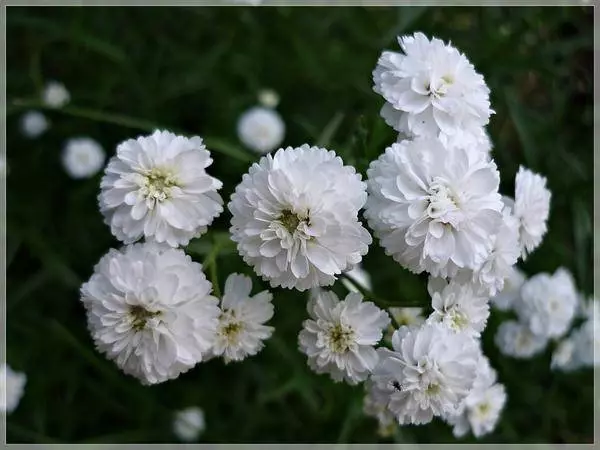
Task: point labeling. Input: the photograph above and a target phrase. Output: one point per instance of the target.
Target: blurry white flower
(339, 336)
(375, 406)
(434, 208)
(82, 157)
(548, 303)
(268, 98)
(241, 330)
(532, 207)
(33, 124)
(412, 316)
(511, 293)
(459, 307)
(434, 86)
(359, 276)
(12, 387)
(157, 187)
(429, 372)
(55, 95)
(189, 423)
(587, 339)
(150, 310)
(261, 129)
(514, 339)
(295, 217)
(564, 356)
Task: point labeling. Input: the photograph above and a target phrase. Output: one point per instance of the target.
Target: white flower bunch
(261, 128)
(55, 95)
(189, 423)
(82, 157)
(33, 124)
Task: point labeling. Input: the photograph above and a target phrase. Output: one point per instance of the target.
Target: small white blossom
(33, 124)
(459, 307)
(12, 387)
(359, 276)
(511, 293)
(295, 217)
(514, 339)
(434, 87)
(548, 303)
(82, 157)
(150, 310)
(261, 129)
(189, 423)
(241, 330)
(339, 337)
(157, 187)
(268, 98)
(55, 95)
(428, 373)
(434, 208)
(532, 208)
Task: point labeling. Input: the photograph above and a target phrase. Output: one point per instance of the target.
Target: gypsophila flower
(564, 356)
(548, 303)
(434, 208)
(375, 406)
(55, 95)
(33, 124)
(149, 309)
(188, 424)
(295, 217)
(268, 98)
(241, 330)
(514, 339)
(434, 86)
(157, 187)
(531, 208)
(459, 307)
(428, 373)
(261, 129)
(339, 336)
(12, 387)
(511, 292)
(359, 276)
(82, 157)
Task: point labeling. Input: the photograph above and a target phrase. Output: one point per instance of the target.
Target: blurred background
(195, 71)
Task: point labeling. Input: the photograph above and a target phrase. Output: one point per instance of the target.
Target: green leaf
(522, 124)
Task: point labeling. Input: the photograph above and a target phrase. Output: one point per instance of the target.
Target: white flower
(157, 187)
(434, 86)
(532, 207)
(82, 157)
(150, 310)
(11, 389)
(241, 330)
(434, 208)
(33, 124)
(458, 306)
(565, 355)
(412, 316)
(587, 339)
(295, 217)
(268, 98)
(375, 405)
(548, 303)
(189, 423)
(514, 339)
(339, 336)
(55, 95)
(261, 129)
(429, 372)
(359, 276)
(511, 293)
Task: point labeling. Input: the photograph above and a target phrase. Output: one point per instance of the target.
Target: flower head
(157, 187)
(261, 129)
(532, 207)
(434, 87)
(428, 373)
(55, 95)
(82, 157)
(549, 303)
(339, 336)
(189, 423)
(33, 124)
(150, 310)
(295, 217)
(12, 387)
(516, 340)
(434, 208)
(241, 330)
